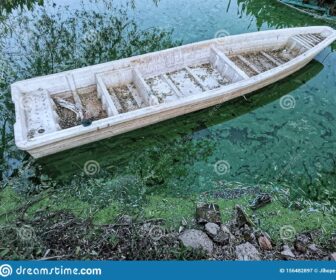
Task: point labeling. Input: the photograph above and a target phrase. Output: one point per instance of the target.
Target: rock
(301, 243)
(208, 213)
(212, 229)
(260, 201)
(300, 247)
(222, 238)
(242, 218)
(313, 248)
(287, 252)
(264, 243)
(333, 257)
(247, 252)
(248, 234)
(216, 233)
(225, 229)
(196, 239)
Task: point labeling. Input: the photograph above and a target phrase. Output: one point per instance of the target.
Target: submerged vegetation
(56, 209)
(61, 39)
(7, 6)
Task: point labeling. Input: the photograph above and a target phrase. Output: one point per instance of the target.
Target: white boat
(69, 109)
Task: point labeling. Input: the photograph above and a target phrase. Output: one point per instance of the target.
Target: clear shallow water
(250, 141)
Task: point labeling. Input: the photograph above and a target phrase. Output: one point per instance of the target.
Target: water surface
(253, 140)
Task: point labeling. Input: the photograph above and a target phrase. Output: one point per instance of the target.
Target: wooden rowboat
(69, 109)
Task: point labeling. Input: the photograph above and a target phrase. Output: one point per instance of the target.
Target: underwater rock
(153, 180)
(196, 239)
(247, 252)
(208, 213)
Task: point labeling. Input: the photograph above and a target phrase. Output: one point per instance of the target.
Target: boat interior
(155, 79)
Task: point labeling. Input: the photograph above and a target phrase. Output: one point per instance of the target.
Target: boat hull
(121, 123)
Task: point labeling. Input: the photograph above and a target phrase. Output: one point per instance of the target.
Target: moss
(10, 201)
(275, 217)
(172, 209)
(271, 218)
(64, 202)
(107, 215)
(227, 206)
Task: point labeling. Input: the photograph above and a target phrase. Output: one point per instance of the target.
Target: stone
(300, 247)
(264, 243)
(242, 218)
(208, 213)
(212, 229)
(301, 243)
(248, 234)
(247, 252)
(222, 238)
(333, 256)
(260, 201)
(312, 248)
(225, 229)
(196, 239)
(287, 252)
(217, 234)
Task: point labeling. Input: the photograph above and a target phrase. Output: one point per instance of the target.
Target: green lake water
(253, 140)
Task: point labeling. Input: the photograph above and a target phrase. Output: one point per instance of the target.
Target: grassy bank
(93, 213)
